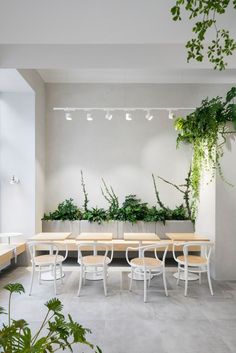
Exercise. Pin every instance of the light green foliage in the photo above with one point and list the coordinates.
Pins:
(62, 333)
(206, 14)
(206, 130)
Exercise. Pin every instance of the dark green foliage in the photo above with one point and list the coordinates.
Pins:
(62, 333)
(96, 214)
(66, 210)
(179, 213)
(205, 12)
(133, 209)
(206, 130)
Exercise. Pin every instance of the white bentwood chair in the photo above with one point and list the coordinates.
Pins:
(148, 266)
(51, 261)
(98, 263)
(194, 263)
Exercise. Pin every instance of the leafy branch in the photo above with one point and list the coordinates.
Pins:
(159, 202)
(86, 201)
(112, 199)
(222, 45)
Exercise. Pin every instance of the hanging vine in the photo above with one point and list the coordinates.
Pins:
(206, 130)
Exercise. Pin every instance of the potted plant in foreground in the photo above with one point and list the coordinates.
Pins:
(62, 332)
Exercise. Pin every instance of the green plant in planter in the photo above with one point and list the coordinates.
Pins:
(112, 199)
(96, 214)
(179, 213)
(66, 210)
(62, 333)
(155, 214)
(133, 209)
(206, 130)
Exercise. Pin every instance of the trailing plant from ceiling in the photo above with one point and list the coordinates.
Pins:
(96, 214)
(66, 210)
(206, 130)
(63, 333)
(206, 14)
(86, 201)
(112, 199)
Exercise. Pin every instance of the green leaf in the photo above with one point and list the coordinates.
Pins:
(15, 288)
(54, 305)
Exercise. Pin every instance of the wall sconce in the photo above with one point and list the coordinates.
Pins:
(14, 180)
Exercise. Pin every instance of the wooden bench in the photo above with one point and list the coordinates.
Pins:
(9, 252)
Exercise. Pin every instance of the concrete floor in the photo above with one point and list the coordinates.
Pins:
(122, 323)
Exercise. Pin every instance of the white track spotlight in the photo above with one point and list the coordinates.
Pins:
(149, 116)
(89, 117)
(108, 115)
(128, 116)
(171, 115)
(68, 116)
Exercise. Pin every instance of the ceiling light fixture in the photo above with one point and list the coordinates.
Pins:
(68, 116)
(89, 117)
(149, 116)
(108, 115)
(128, 116)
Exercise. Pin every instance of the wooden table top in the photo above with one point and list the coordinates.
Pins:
(94, 236)
(186, 237)
(141, 236)
(50, 236)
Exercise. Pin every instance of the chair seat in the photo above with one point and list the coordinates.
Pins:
(47, 259)
(95, 260)
(193, 260)
(146, 261)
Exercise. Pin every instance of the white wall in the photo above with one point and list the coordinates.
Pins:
(17, 131)
(38, 86)
(124, 153)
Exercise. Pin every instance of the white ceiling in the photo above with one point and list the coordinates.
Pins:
(12, 81)
(103, 41)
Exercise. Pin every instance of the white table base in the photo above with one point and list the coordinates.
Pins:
(191, 276)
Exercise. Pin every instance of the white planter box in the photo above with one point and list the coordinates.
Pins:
(104, 227)
(139, 227)
(174, 227)
(62, 226)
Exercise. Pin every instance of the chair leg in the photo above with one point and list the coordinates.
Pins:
(149, 279)
(55, 278)
(164, 281)
(200, 278)
(186, 280)
(209, 280)
(32, 279)
(84, 276)
(39, 278)
(145, 286)
(105, 280)
(61, 273)
(131, 279)
(80, 279)
(178, 274)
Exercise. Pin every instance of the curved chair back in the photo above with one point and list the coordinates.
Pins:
(153, 247)
(51, 248)
(205, 248)
(96, 247)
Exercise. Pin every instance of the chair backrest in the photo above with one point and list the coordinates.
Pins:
(50, 247)
(205, 248)
(96, 247)
(153, 247)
